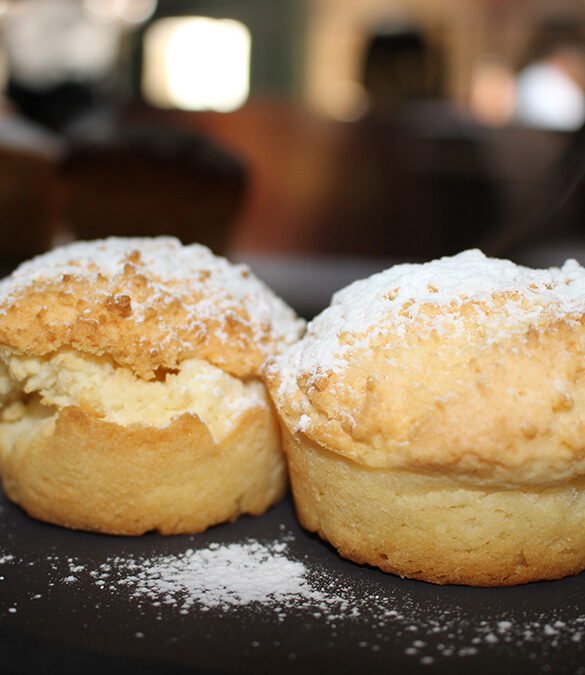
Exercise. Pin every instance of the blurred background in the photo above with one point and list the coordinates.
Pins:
(318, 140)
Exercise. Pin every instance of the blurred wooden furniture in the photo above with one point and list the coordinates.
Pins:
(28, 190)
(138, 179)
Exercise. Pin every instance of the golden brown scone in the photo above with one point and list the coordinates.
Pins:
(130, 389)
(434, 420)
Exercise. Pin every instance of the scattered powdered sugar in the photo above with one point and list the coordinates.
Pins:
(504, 296)
(268, 578)
(164, 261)
(224, 577)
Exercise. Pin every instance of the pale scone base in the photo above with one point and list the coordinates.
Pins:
(94, 475)
(431, 528)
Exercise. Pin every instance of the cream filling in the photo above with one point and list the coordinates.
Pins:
(44, 386)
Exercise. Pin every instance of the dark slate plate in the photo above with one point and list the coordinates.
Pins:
(50, 626)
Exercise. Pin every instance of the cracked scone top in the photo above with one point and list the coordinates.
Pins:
(131, 396)
(469, 365)
(149, 304)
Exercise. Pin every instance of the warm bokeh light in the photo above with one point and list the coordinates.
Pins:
(346, 100)
(549, 98)
(493, 98)
(197, 63)
(128, 11)
(51, 41)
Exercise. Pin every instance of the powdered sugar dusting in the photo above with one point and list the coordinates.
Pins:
(165, 257)
(170, 268)
(502, 295)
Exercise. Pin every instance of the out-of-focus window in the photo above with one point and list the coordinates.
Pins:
(197, 63)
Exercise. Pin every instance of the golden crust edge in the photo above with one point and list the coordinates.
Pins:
(476, 435)
(99, 476)
(337, 523)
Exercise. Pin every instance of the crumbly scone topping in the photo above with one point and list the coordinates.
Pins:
(149, 304)
(449, 295)
(466, 363)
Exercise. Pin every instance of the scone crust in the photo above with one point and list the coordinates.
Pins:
(507, 413)
(136, 314)
(86, 473)
(489, 390)
(435, 529)
(434, 421)
(147, 304)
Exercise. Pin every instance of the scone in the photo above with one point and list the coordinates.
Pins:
(130, 389)
(434, 421)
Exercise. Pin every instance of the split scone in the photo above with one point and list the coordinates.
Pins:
(434, 420)
(130, 390)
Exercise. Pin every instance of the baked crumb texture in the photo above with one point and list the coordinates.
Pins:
(131, 396)
(435, 421)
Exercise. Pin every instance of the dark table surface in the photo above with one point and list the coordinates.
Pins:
(49, 624)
